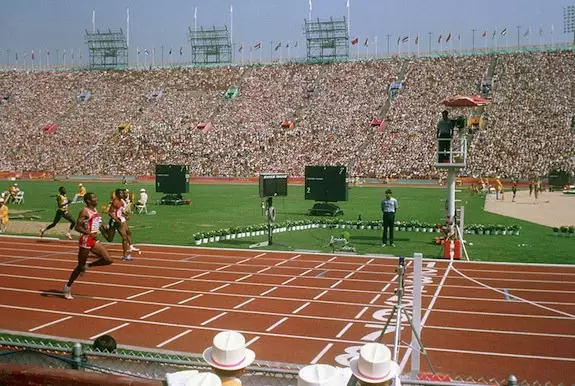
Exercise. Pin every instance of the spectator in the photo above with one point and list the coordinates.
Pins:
(228, 357)
(79, 197)
(3, 216)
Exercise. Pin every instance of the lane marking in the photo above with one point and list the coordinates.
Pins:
(343, 330)
(349, 275)
(224, 267)
(154, 313)
(185, 259)
(332, 259)
(172, 284)
(295, 257)
(244, 303)
(306, 272)
(244, 277)
(268, 291)
(320, 295)
(212, 319)
(244, 260)
(173, 338)
(289, 280)
(386, 287)
(110, 330)
(100, 307)
(336, 284)
(49, 324)
(220, 287)
(276, 324)
(252, 341)
(375, 298)
(264, 269)
(260, 255)
(300, 308)
(321, 353)
(190, 299)
(200, 275)
(280, 263)
(321, 273)
(360, 313)
(140, 294)
(320, 265)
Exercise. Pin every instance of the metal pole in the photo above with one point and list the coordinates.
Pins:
(416, 314)
(430, 33)
(388, 35)
(473, 40)
(518, 32)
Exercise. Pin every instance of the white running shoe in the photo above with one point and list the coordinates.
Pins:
(67, 292)
(42, 232)
(69, 235)
(134, 249)
(127, 258)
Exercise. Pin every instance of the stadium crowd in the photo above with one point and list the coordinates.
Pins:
(528, 130)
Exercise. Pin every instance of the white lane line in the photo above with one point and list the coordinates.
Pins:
(276, 324)
(375, 298)
(268, 291)
(200, 275)
(244, 277)
(360, 313)
(190, 299)
(172, 284)
(306, 272)
(100, 307)
(252, 341)
(244, 303)
(332, 259)
(359, 268)
(49, 324)
(386, 287)
(244, 260)
(155, 312)
(321, 354)
(173, 338)
(320, 295)
(320, 265)
(295, 257)
(260, 255)
(289, 280)
(140, 294)
(224, 267)
(300, 308)
(220, 287)
(349, 275)
(110, 330)
(369, 261)
(212, 319)
(280, 263)
(343, 330)
(264, 269)
(336, 284)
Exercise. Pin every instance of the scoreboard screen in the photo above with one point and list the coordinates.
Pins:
(326, 183)
(272, 185)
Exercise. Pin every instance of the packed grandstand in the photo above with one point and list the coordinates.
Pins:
(125, 122)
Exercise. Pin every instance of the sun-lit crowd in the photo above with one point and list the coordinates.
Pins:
(123, 129)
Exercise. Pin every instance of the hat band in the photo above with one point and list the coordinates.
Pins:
(373, 378)
(227, 364)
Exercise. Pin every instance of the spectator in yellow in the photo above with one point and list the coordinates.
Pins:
(228, 357)
(498, 188)
(79, 197)
(3, 216)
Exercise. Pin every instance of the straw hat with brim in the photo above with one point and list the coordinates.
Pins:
(374, 364)
(204, 379)
(317, 375)
(229, 352)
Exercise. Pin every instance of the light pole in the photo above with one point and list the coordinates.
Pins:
(518, 34)
(473, 39)
(569, 20)
(430, 33)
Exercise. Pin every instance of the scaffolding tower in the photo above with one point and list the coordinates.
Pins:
(211, 46)
(107, 50)
(327, 40)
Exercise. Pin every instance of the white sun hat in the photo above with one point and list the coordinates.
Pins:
(204, 379)
(229, 352)
(142, 190)
(317, 375)
(374, 364)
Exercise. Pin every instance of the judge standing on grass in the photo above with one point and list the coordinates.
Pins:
(389, 206)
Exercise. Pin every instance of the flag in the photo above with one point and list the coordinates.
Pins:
(398, 40)
(439, 39)
(484, 34)
(504, 32)
(32, 54)
(540, 31)
(154, 51)
(257, 46)
(295, 45)
(527, 32)
(287, 45)
(494, 33)
(355, 41)
(278, 46)
(48, 53)
(181, 51)
(448, 38)
(170, 53)
(417, 39)
(366, 43)
(405, 39)
(16, 56)
(146, 52)
(63, 54)
(241, 48)
(138, 50)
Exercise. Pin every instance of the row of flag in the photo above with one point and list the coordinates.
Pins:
(33, 55)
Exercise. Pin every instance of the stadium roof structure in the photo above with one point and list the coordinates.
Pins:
(327, 40)
(210, 46)
(107, 50)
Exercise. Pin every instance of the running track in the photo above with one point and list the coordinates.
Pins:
(298, 307)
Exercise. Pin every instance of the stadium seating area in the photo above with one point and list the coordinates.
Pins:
(528, 130)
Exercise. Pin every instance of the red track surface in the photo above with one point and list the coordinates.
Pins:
(298, 308)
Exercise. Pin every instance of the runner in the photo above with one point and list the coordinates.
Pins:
(88, 224)
(119, 222)
(61, 212)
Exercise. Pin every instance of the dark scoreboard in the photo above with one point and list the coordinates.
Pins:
(326, 183)
(272, 185)
(172, 179)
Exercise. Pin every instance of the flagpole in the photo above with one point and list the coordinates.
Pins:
(195, 19)
(93, 21)
(376, 46)
(128, 27)
(232, 26)
(348, 20)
